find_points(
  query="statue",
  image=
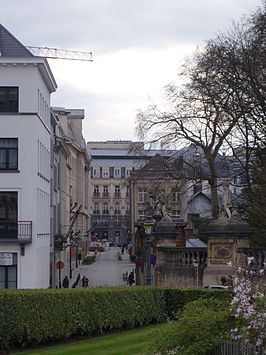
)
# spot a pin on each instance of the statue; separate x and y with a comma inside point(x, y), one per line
point(157, 204)
point(226, 201)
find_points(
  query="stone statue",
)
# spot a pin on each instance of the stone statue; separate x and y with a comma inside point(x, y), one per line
point(226, 201)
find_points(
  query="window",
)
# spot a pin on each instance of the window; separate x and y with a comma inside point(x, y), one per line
point(96, 208)
point(105, 190)
point(142, 194)
point(175, 195)
point(128, 192)
point(176, 213)
point(117, 190)
point(105, 174)
point(123, 172)
point(117, 222)
point(96, 191)
point(8, 153)
point(8, 214)
point(105, 208)
point(141, 215)
point(117, 172)
point(8, 270)
point(117, 208)
point(111, 172)
point(127, 208)
point(8, 99)
point(128, 172)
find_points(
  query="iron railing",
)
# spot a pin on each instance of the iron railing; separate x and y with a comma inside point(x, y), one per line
point(16, 230)
point(235, 348)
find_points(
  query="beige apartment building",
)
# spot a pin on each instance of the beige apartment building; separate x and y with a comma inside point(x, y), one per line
point(71, 176)
point(157, 189)
point(111, 203)
point(111, 164)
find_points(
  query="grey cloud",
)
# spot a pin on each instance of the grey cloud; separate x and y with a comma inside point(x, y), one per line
point(111, 25)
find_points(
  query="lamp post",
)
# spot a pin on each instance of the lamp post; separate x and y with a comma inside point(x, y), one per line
point(148, 224)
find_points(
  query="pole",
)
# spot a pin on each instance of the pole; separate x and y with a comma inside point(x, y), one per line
point(59, 269)
point(77, 254)
point(70, 261)
point(198, 276)
point(148, 243)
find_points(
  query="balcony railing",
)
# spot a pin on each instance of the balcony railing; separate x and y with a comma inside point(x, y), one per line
point(16, 230)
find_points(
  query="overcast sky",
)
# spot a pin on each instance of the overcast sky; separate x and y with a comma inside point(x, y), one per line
point(137, 47)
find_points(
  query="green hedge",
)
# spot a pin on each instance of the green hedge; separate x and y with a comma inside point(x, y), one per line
point(89, 260)
point(177, 298)
point(200, 327)
point(29, 317)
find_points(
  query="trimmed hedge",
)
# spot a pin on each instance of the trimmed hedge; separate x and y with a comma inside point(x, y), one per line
point(177, 298)
point(29, 317)
point(89, 260)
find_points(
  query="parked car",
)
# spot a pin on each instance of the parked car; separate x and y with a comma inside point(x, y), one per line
point(218, 287)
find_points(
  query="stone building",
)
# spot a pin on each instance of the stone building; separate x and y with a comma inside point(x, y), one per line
point(111, 164)
point(71, 187)
point(157, 187)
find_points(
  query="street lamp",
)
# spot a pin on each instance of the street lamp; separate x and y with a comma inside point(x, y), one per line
point(148, 224)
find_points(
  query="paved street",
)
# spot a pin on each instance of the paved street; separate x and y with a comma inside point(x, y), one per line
point(106, 271)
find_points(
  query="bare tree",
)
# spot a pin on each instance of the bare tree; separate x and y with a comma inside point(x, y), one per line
point(221, 102)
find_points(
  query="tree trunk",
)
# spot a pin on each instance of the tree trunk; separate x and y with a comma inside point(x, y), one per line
point(213, 183)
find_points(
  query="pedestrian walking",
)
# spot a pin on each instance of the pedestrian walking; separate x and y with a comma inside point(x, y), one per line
point(131, 279)
point(65, 282)
point(83, 280)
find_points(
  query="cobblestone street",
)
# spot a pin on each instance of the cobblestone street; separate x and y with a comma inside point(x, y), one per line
point(106, 271)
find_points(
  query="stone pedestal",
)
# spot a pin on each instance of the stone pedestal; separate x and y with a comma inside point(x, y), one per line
point(225, 237)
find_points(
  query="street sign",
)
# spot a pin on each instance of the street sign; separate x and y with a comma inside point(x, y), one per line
point(6, 259)
point(153, 259)
point(60, 265)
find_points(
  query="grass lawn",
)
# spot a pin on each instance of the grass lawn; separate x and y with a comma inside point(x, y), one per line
point(130, 342)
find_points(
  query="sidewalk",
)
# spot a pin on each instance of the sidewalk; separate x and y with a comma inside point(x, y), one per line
point(107, 270)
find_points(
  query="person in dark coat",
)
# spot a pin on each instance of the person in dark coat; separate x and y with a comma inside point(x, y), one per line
point(131, 279)
point(65, 282)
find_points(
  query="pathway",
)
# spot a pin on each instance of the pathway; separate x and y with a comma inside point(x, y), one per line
point(106, 271)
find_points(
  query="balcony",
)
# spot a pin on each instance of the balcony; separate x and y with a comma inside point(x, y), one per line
point(16, 231)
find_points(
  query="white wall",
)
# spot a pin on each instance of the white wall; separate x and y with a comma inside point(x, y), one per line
point(33, 179)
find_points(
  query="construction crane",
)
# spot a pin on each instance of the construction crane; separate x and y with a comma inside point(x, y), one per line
point(56, 53)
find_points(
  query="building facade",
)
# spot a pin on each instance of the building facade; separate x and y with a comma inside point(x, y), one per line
point(71, 189)
point(111, 165)
point(26, 83)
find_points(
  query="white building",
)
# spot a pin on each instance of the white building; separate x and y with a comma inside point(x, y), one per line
point(26, 83)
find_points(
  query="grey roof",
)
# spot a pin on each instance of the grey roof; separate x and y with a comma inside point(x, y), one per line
point(195, 243)
point(10, 47)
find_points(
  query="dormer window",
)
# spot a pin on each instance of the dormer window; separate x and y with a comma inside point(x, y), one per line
point(8, 99)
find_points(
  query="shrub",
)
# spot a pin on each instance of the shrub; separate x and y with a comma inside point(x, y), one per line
point(96, 248)
point(177, 298)
point(89, 260)
point(29, 317)
point(199, 328)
